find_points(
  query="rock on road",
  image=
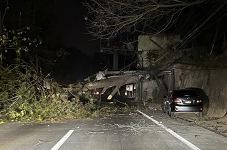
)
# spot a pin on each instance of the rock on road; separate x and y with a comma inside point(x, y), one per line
point(121, 132)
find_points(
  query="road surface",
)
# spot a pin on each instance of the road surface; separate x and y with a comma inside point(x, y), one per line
point(135, 131)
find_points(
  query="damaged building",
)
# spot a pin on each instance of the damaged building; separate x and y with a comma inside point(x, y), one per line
point(141, 84)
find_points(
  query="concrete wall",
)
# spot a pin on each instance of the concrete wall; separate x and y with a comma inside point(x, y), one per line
point(148, 43)
point(145, 44)
point(212, 82)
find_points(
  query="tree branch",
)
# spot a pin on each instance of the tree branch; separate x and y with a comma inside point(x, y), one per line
point(107, 18)
point(6, 8)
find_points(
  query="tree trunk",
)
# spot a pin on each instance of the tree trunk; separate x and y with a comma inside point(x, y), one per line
point(37, 63)
point(111, 82)
point(113, 92)
point(0, 34)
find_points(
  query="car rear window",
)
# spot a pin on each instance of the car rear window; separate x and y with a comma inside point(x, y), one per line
point(185, 93)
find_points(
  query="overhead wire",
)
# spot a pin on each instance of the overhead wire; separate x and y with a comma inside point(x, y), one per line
point(187, 38)
point(203, 22)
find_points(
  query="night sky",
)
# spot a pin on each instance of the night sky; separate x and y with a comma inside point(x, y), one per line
point(74, 34)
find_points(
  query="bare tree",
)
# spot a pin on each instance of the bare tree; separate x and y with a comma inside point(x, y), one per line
point(106, 18)
point(2, 17)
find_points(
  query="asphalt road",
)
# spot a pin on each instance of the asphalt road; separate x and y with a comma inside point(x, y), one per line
point(149, 131)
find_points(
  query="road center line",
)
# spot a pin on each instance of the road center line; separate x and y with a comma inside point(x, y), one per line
point(62, 141)
point(192, 146)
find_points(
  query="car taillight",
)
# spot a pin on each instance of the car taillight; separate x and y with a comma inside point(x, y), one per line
point(199, 101)
point(177, 101)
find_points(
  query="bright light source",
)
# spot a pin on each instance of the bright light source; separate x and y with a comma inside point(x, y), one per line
point(199, 101)
point(96, 93)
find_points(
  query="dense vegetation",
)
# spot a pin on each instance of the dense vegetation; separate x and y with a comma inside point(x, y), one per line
point(25, 96)
point(31, 55)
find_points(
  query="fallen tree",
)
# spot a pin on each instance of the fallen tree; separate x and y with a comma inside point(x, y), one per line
point(113, 81)
point(27, 96)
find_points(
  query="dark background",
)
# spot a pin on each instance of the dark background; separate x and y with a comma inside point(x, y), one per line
point(70, 54)
point(74, 34)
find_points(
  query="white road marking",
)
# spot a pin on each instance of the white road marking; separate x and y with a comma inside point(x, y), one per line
point(63, 139)
point(192, 146)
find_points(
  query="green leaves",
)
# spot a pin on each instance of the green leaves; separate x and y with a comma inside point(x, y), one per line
point(23, 97)
point(18, 40)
